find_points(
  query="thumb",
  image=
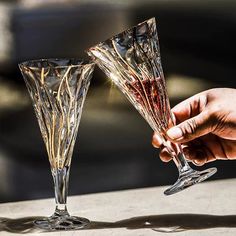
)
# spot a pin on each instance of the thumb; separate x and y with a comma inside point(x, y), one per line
point(191, 128)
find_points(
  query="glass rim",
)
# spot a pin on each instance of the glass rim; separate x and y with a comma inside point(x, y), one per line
point(122, 32)
point(82, 62)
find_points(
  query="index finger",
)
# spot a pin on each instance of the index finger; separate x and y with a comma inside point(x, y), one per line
point(189, 107)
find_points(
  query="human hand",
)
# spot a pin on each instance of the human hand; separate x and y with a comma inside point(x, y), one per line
point(206, 127)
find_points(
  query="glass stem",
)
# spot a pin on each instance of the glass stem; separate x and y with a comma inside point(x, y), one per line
point(61, 180)
point(181, 162)
point(175, 150)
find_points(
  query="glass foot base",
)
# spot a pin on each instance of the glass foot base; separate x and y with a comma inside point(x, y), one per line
point(62, 223)
point(190, 178)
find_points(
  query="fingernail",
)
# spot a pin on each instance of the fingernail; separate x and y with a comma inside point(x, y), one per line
point(175, 133)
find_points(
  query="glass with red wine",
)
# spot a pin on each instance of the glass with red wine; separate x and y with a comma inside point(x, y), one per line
point(132, 60)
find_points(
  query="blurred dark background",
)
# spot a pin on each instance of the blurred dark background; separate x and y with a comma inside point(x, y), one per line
point(113, 149)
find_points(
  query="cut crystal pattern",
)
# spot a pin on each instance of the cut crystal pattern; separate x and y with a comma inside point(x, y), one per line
point(132, 60)
point(58, 93)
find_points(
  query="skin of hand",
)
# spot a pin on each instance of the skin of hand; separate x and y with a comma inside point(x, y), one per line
point(206, 127)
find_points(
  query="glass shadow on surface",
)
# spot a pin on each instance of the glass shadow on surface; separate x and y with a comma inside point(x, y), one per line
point(132, 60)
point(58, 88)
point(168, 223)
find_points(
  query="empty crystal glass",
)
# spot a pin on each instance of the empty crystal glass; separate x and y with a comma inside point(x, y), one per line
point(58, 88)
point(132, 60)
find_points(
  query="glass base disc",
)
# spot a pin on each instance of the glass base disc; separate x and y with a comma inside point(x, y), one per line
point(62, 223)
point(190, 178)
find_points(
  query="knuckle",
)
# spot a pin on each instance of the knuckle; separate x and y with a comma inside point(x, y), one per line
point(198, 163)
point(230, 155)
point(189, 127)
point(216, 119)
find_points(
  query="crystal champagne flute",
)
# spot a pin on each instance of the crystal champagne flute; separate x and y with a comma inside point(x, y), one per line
point(58, 88)
point(132, 60)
